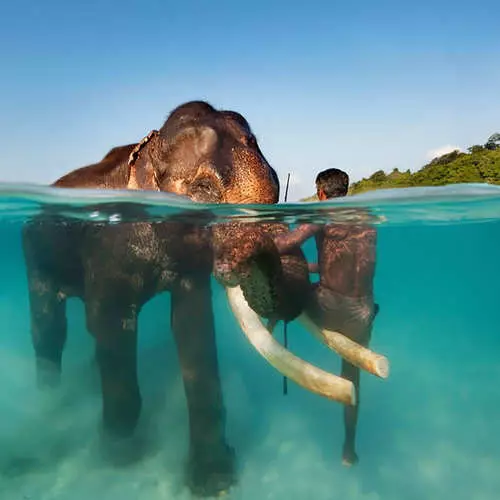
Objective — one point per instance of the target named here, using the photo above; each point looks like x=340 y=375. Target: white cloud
x=295 y=179
x=436 y=152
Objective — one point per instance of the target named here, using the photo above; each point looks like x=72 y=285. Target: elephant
x=210 y=156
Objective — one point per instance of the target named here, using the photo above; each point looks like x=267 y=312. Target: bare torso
x=346 y=255
x=346 y=258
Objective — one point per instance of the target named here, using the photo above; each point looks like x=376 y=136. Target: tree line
x=479 y=164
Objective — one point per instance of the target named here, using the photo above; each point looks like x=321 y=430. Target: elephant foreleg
x=115 y=330
x=211 y=460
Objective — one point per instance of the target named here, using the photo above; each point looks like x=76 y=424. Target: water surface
x=428 y=432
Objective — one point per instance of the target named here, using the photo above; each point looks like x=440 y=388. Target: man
x=342 y=300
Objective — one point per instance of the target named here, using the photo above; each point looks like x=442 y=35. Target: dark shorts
x=351 y=316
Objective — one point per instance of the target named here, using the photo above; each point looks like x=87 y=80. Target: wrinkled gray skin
x=210 y=156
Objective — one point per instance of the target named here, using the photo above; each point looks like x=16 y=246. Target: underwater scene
x=429 y=430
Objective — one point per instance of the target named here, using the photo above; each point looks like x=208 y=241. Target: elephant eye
x=205 y=190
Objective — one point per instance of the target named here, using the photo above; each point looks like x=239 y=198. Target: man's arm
x=294 y=239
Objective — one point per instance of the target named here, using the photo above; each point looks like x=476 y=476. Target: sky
x=357 y=85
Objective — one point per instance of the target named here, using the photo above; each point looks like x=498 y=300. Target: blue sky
x=358 y=85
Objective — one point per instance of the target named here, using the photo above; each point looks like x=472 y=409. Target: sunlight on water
x=430 y=431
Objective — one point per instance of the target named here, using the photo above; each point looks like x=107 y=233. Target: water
x=428 y=432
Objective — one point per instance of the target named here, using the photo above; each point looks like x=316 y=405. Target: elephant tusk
x=351 y=351
x=304 y=374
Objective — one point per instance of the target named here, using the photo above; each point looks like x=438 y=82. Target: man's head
x=331 y=183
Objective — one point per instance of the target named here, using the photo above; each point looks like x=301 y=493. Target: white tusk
x=351 y=351
x=308 y=376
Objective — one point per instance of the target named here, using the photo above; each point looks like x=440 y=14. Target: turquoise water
x=430 y=431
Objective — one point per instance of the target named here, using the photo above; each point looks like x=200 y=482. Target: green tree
x=378 y=177
x=493 y=142
x=480 y=164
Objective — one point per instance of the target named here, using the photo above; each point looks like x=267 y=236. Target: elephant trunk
x=275 y=286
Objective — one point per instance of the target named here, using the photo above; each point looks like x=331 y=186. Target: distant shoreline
x=480 y=164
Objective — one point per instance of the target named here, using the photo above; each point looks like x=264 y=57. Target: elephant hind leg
x=48 y=329
x=211 y=463
x=115 y=330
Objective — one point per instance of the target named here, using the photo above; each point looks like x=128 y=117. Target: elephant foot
x=349 y=457
x=117 y=439
x=211 y=473
x=48 y=374
x=120 y=451
x=121 y=414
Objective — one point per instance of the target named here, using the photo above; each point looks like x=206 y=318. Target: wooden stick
x=351 y=351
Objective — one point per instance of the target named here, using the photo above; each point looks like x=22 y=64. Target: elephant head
x=210 y=156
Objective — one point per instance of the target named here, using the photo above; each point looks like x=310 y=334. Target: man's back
x=346 y=258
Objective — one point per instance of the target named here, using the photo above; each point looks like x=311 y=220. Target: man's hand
x=287 y=242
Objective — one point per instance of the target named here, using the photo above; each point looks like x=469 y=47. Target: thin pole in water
x=285 y=324
x=285 y=343
x=287 y=185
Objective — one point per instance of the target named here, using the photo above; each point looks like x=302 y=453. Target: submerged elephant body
x=210 y=156
x=115 y=270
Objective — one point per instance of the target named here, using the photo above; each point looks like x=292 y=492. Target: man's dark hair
x=333 y=182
